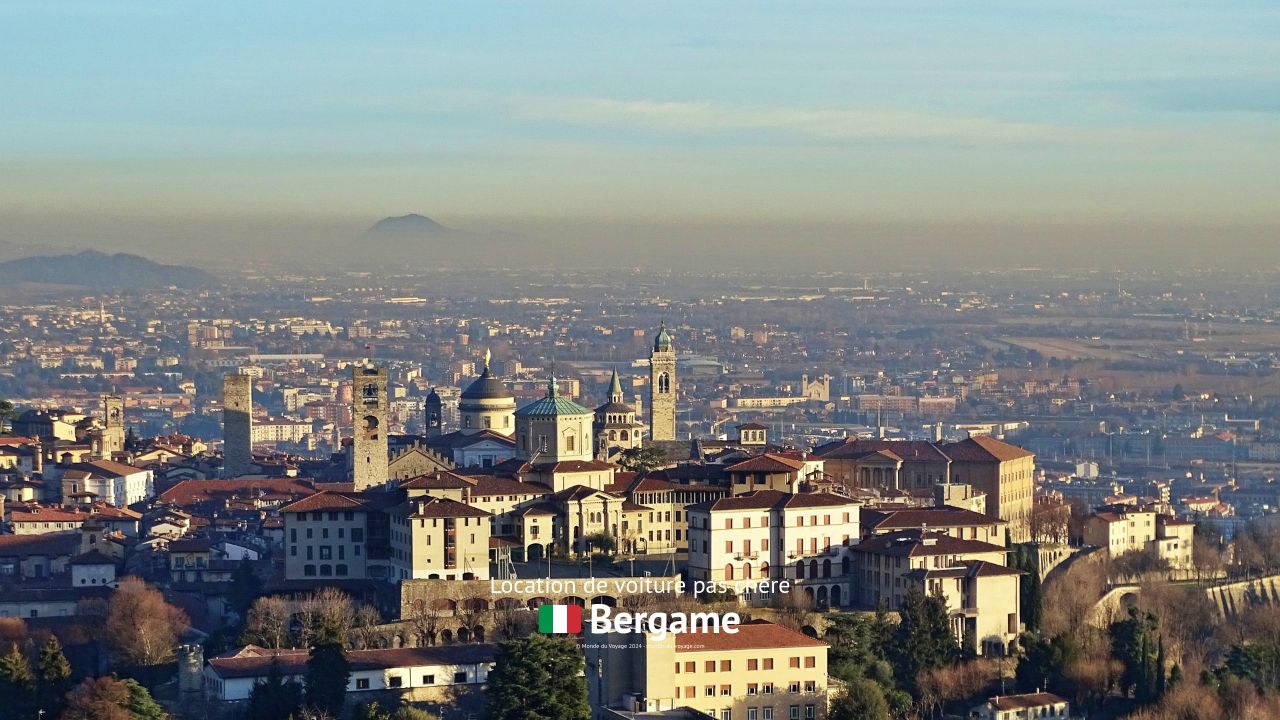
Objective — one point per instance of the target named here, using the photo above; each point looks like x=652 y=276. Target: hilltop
x=94 y=269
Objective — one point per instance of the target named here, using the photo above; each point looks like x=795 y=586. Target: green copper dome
x=663 y=340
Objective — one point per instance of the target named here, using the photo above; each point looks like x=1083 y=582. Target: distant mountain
x=411 y=224
x=99 y=270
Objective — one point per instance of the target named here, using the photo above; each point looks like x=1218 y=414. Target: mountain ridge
x=95 y=269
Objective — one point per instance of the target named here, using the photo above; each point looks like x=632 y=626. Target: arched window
x=826 y=568
x=799 y=569
x=813 y=568
x=746 y=571
x=728 y=572
x=625 y=435
x=664 y=383
x=764 y=570
x=370 y=391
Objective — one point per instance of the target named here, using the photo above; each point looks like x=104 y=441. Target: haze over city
x=902 y=135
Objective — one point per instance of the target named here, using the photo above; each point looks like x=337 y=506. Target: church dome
x=663 y=340
x=486 y=387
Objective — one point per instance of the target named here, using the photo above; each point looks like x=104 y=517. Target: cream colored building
x=762 y=672
x=1121 y=530
x=326 y=536
x=982 y=599
x=772 y=535
x=1004 y=472
x=884 y=561
x=436 y=538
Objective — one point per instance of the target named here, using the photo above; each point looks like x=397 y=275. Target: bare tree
x=142 y=627
x=470 y=608
x=427 y=610
x=269 y=621
x=365 y=627
x=326 y=616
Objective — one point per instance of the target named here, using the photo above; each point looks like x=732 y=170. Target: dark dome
x=486 y=387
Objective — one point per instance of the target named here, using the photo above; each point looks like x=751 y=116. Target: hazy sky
x=597 y=115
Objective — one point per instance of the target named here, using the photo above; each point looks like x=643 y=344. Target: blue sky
x=484 y=113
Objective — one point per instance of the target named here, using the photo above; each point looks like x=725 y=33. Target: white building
x=422 y=674
x=773 y=535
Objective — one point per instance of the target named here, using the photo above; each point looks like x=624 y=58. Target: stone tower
x=615 y=423
x=237 y=425
x=662 y=387
x=113 y=425
x=434 y=410
x=369 y=454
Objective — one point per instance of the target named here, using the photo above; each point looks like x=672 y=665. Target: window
x=810 y=661
x=709 y=691
x=767 y=689
x=794 y=712
x=362 y=683
x=394 y=681
x=309 y=570
x=726 y=714
x=794 y=662
x=768 y=663
x=767 y=714
x=753 y=689
x=690 y=667
x=752 y=714
x=753 y=664
x=428 y=679
x=726 y=665
x=460 y=676
x=710 y=665
x=811 y=686
x=808 y=711
x=793 y=687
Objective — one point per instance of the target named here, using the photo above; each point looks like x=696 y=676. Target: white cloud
x=814 y=124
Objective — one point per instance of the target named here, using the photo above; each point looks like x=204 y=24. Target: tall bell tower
x=369 y=446
x=662 y=387
x=113 y=425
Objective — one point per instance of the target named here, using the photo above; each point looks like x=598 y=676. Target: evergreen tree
x=328 y=673
x=246 y=586
x=16 y=684
x=140 y=703
x=1043 y=663
x=275 y=697
x=538 y=678
x=1161 y=679
x=1133 y=644
x=924 y=639
x=53 y=676
x=862 y=700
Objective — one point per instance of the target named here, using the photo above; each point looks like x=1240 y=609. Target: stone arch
x=536 y=602
x=475 y=604
x=574 y=600
x=826 y=568
x=464 y=634
x=446 y=637
x=507 y=603
x=477 y=633
x=835 y=596
x=813 y=568
x=821 y=597
x=609 y=600
x=799 y=569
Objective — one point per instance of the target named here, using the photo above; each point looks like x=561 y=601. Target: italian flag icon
x=559 y=619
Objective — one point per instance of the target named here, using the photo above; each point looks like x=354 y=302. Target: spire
x=615 y=387
x=552 y=386
x=488 y=355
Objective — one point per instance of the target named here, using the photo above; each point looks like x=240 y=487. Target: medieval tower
x=662 y=388
x=237 y=425
x=113 y=425
x=369 y=452
x=434 y=411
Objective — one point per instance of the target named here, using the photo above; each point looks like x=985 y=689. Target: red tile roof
x=752 y=635
x=767 y=463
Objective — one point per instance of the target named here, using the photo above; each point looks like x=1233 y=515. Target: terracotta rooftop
x=752 y=635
